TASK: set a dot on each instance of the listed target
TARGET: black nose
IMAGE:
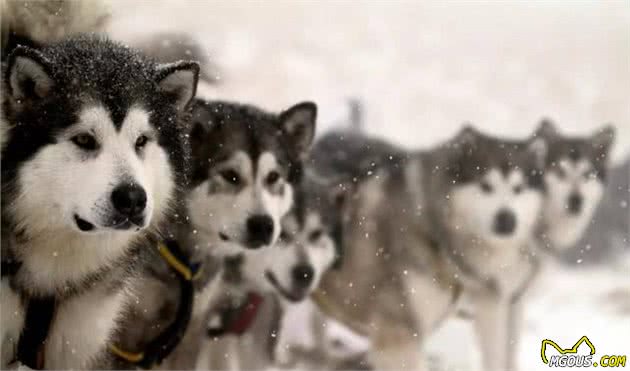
(129, 199)
(574, 203)
(259, 230)
(505, 222)
(303, 275)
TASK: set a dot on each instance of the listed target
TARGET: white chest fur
(80, 330)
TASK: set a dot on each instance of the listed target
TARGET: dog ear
(179, 80)
(298, 124)
(202, 123)
(28, 75)
(537, 147)
(546, 129)
(602, 140)
(467, 136)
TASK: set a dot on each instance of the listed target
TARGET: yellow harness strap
(127, 356)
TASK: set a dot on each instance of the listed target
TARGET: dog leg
(394, 346)
(514, 327)
(222, 354)
(397, 357)
(491, 325)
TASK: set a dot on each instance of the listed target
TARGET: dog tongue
(245, 315)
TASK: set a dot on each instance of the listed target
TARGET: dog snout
(259, 230)
(505, 222)
(129, 199)
(303, 275)
(574, 203)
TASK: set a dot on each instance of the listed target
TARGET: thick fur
(575, 177)
(234, 149)
(425, 227)
(75, 113)
(246, 163)
(37, 23)
(290, 270)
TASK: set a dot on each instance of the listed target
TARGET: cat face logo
(581, 354)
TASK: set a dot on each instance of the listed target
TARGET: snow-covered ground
(422, 69)
(565, 304)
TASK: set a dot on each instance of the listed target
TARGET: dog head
(94, 146)
(245, 165)
(495, 191)
(306, 249)
(575, 176)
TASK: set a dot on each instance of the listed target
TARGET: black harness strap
(160, 347)
(10, 267)
(39, 316)
(37, 322)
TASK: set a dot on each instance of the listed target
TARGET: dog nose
(574, 203)
(303, 275)
(260, 230)
(505, 222)
(129, 199)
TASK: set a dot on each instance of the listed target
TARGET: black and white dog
(245, 165)
(575, 179)
(93, 162)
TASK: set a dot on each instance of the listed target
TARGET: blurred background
(421, 69)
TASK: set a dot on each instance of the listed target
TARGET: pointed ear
(603, 139)
(538, 148)
(298, 124)
(179, 80)
(28, 75)
(467, 137)
(201, 119)
(546, 129)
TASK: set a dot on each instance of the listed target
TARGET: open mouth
(83, 224)
(223, 236)
(292, 297)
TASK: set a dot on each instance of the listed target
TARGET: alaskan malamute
(575, 177)
(94, 161)
(429, 226)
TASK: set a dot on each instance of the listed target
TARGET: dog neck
(50, 264)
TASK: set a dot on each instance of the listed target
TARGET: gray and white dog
(428, 227)
(575, 179)
(94, 161)
(283, 274)
(245, 165)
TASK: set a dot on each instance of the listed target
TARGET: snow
(565, 304)
(422, 69)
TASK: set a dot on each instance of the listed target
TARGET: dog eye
(85, 141)
(231, 176)
(272, 178)
(141, 141)
(518, 189)
(315, 235)
(485, 187)
(590, 174)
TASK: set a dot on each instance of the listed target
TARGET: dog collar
(235, 320)
(160, 347)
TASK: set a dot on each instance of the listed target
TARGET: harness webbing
(37, 322)
(160, 347)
